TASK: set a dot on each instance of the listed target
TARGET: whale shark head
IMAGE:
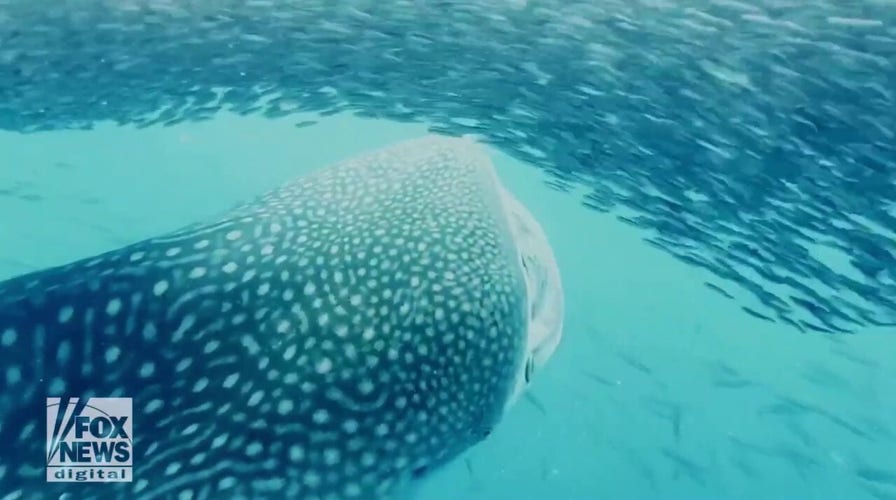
(544, 292)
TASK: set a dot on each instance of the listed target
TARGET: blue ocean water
(717, 179)
(660, 388)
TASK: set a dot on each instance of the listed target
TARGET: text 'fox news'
(89, 439)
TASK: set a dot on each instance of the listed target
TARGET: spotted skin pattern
(336, 338)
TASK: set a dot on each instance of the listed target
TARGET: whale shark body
(339, 337)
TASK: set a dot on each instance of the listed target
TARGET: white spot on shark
(254, 449)
(324, 366)
(113, 307)
(8, 338)
(65, 314)
(296, 453)
(172, 468)
(160, 288)
(197, 272)
(219, 440)
(147, 369)
(111, 354)
(321, 416)
(230, 380)
(255, 398)
(153, 406)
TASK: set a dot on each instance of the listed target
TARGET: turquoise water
(661, 388)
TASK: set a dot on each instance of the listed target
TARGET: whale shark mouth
(544, 291)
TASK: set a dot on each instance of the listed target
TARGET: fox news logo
(89, 440)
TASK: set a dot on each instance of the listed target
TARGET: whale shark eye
(530, 369)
